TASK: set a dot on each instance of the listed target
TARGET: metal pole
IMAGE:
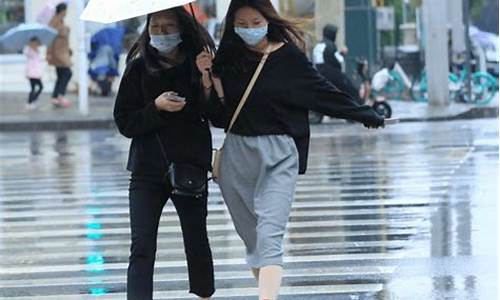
(276, 4)
(83, 92)
(397, 39)
(468, 45)
(221, 8)
(405, 11)
(28, 15)
(436, 51)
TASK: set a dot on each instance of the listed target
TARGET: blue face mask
(251, 36)
(165, 43)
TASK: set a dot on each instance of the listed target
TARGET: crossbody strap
(249, 87)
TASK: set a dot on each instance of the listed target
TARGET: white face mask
(165, 43)
(251, 36)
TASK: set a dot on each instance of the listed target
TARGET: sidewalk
(13, 115)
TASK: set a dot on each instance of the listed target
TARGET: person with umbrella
(160, 106)
(34, 70)
(28, 37)
(59, 56)
(267, 147)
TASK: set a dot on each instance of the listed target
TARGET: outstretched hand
(390, 121)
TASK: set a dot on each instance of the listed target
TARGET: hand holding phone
(169, 101)
(176, 98)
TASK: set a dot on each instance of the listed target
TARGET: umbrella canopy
(18, 37)
(108, 11)
(110, 36)
(48, 11)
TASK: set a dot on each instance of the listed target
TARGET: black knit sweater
(287, 88)
(185, 134)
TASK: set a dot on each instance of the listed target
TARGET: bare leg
(255, 273)
(270, 282)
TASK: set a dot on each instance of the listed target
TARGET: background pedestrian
(34, 70)
(59, 55)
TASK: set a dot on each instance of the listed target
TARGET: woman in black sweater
(268, 145)
(161, 64)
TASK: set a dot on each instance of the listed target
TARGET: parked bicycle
(483, 87)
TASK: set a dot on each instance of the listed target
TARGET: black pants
(36, 89)
(147, 196)
(63, 76)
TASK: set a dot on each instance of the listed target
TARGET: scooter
(376, 101)
(106, 47)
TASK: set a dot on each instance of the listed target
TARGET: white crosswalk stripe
(64, 231)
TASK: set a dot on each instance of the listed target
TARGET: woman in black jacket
(160, 66)
(268, 145)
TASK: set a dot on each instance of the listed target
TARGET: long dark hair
(194, 39)
(61, 7)
(233, 54)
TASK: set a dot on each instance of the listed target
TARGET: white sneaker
(31, 106)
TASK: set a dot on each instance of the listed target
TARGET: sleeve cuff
(155, 115)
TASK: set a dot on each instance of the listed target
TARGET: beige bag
(218, 153)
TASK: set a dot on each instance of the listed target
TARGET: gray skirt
(257, 178)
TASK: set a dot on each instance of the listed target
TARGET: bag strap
(240, 105)
(250, 87)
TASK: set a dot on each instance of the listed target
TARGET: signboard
(385, 18)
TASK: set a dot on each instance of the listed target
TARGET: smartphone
(176, 98)
(391, 121)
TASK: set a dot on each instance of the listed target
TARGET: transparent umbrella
(108, 11)
(48, 11)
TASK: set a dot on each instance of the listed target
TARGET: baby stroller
(105, 50)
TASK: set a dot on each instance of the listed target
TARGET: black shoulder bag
(185, 179)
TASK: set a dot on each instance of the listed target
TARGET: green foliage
(475, 7)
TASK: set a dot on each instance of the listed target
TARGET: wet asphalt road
(408, 212)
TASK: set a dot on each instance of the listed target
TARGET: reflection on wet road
(404, 213)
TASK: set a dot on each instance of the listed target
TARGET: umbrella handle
(196, 25)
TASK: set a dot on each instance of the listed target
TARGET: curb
(59, 125)
(473, 113)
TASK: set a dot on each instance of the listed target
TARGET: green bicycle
(483, 88)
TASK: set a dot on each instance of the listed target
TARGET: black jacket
(185, 134)
(286, 90)
(332, 68)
